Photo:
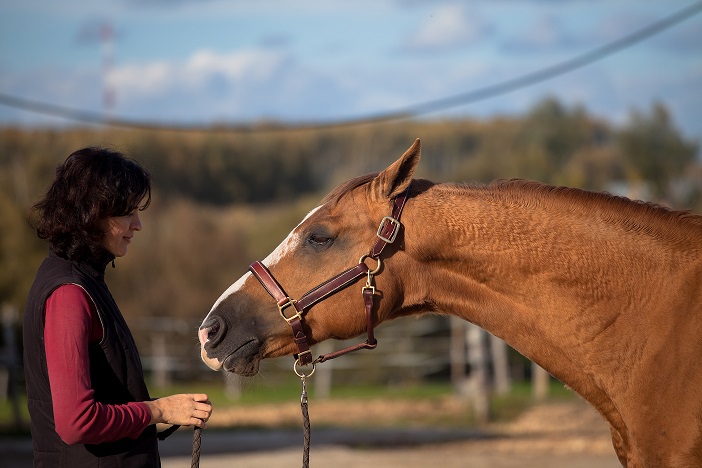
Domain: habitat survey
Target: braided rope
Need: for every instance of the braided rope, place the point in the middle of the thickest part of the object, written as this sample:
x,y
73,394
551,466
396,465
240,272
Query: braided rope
x,y
306,447
305,423
197,434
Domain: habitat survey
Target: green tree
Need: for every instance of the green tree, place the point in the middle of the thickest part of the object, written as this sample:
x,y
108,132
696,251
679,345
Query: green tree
x,y
20,253
654,150
550,135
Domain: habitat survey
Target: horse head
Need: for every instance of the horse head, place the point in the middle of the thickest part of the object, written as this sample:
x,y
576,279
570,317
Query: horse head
x,y
245,323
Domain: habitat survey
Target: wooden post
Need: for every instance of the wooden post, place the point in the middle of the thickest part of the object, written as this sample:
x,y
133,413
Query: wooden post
x,y
477,384
457,352
539,382
323,373
232,385
500,365
160,360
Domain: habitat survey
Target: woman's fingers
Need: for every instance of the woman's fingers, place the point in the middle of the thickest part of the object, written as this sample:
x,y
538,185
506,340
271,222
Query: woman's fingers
x,y
183,409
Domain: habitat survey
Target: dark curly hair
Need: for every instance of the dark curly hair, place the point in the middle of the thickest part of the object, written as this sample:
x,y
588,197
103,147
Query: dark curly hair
x,y
92,185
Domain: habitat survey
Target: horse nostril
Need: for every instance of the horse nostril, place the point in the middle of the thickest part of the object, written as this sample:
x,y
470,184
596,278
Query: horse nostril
x,y
211,332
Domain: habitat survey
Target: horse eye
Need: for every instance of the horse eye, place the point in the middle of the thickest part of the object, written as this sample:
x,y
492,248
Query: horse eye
x,y
319,240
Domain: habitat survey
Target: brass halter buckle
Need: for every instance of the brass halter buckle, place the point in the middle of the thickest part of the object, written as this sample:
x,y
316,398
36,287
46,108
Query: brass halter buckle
x,y
289,303
396,228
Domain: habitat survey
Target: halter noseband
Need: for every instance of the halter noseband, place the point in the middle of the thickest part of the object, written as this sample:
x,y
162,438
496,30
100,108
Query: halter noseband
x,y
387,232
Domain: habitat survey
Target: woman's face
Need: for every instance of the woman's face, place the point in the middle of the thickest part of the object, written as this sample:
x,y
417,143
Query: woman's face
x,y
119,231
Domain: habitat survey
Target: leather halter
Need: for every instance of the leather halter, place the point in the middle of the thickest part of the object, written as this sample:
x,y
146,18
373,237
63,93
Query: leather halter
x,y
387,232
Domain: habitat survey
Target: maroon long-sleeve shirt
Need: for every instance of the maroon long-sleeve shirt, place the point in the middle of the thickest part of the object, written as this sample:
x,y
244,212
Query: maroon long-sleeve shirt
x,y
71,323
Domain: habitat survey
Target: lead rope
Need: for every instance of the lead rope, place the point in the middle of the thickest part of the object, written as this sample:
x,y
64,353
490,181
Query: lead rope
x,y
305,424
197,434
305,414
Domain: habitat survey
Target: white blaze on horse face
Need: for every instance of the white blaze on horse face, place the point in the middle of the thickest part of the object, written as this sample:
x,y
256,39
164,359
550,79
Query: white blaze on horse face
x,y
230,290
288,244
273,258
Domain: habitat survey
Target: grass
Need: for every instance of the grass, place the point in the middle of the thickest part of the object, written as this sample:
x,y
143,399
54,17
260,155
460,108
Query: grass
x,y
8,426
503,408
508,407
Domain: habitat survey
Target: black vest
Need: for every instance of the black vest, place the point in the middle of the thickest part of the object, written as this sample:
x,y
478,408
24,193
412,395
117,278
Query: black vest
x,y
115,372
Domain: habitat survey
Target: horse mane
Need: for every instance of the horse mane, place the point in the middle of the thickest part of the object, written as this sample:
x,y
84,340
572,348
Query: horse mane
x,y
335,195
529,192
417,186
623,206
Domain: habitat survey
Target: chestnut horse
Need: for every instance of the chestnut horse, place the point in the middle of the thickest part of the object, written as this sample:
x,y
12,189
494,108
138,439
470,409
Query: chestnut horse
x,y
602,292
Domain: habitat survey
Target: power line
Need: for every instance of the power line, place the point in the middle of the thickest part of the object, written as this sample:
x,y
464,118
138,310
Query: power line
x,y
554,70
399,114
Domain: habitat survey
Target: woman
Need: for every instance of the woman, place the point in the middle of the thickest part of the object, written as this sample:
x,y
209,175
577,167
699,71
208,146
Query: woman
x,y
88,403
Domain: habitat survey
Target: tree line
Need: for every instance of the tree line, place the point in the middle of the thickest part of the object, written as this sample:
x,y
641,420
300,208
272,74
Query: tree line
x,y
222,199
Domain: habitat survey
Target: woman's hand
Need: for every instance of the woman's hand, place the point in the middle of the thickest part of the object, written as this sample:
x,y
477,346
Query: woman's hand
x,y
183,409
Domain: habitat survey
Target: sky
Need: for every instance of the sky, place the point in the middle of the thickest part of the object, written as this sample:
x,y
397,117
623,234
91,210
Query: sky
x,y
213,61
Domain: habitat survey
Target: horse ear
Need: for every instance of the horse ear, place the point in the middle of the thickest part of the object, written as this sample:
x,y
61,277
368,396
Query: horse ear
x,y
396,178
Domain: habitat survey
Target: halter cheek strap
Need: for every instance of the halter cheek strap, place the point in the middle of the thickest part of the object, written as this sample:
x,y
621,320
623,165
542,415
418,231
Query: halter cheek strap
x,y
293,310
297,308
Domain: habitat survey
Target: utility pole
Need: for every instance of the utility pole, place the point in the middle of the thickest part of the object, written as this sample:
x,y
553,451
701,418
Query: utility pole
x,y
107,40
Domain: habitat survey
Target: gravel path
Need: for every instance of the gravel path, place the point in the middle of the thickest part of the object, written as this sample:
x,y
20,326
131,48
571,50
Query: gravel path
x,y
553,435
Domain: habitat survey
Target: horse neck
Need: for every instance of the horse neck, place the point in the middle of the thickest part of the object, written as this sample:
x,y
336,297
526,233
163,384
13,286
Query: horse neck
x,y
546,276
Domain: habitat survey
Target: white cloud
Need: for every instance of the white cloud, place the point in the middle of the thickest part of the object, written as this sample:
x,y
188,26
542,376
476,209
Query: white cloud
x,y
142,79
156,78
248,64
447,27
542,33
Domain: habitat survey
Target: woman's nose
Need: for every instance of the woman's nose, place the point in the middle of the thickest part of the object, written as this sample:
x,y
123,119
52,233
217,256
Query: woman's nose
x,y
136,222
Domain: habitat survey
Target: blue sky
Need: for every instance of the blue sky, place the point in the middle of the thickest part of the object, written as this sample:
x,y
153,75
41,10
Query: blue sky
x,y
201,61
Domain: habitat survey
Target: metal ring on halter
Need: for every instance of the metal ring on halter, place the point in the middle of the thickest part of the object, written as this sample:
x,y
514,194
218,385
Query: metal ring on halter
x,y
371,272
300,373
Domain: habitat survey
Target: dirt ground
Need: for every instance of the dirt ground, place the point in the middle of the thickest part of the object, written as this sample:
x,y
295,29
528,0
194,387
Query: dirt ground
x,y
565,434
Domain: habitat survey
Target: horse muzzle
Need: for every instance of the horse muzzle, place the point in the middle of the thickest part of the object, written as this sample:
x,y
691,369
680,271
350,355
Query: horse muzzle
x,y
241,356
